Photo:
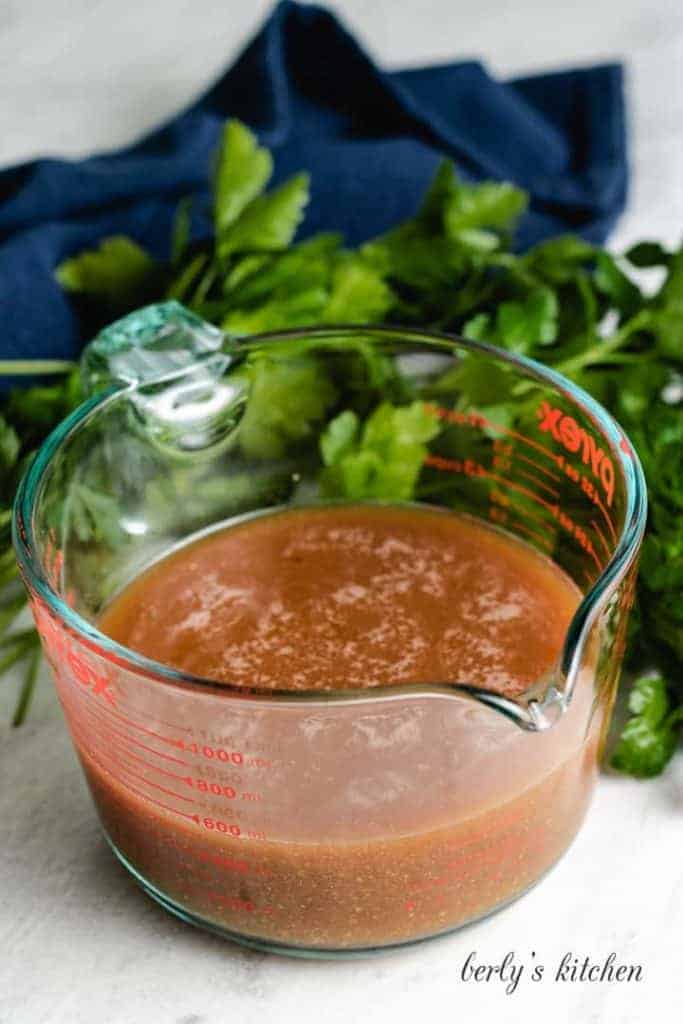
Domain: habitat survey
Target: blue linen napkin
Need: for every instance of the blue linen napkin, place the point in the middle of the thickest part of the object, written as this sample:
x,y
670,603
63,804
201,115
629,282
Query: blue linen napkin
x,y
370,138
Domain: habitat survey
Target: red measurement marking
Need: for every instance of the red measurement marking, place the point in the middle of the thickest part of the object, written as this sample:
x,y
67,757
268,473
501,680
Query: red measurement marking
x,y
233,757
121,748
152,767
599,461
471,468
123,718
591,552
602,538
532,533
576,531
125,736
174,725
221,860
224,827
166,807
223,901
539,483
125,766
532,514
145,796
607,517
214,788
259,762
587,576
147,764
148,782
527,440
573,438
475,469
536,465
149,732
518,487
479,421
139,711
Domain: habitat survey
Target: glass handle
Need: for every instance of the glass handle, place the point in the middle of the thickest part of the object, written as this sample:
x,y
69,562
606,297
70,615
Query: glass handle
x,y
174,366
154,344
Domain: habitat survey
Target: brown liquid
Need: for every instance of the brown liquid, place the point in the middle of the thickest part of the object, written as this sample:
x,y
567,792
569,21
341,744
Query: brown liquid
x,y
377,823
352,596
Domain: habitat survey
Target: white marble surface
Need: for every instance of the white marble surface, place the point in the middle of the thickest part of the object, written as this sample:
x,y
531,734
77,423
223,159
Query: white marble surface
x,y
80,944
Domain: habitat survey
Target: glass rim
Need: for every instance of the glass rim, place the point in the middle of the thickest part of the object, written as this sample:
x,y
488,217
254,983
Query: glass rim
x,y
625,550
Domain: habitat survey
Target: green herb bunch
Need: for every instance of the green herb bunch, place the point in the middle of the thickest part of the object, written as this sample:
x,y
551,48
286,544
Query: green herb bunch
x,y
571,305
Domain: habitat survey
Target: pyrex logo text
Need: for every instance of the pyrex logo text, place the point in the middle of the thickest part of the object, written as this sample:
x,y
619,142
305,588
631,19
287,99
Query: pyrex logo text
x,y
62,654
574,438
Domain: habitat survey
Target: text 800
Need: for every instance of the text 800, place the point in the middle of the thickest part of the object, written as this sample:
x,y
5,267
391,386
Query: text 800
x,y
212,787
221,826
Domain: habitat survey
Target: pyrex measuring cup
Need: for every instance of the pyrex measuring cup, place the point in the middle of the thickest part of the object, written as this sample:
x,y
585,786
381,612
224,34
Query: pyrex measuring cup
x,y
330,822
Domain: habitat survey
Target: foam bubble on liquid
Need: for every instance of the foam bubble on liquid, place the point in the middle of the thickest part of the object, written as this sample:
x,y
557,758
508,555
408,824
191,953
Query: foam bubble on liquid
x,y
351,593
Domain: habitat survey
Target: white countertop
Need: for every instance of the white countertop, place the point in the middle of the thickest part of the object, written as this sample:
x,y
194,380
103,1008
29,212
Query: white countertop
x,y
80,944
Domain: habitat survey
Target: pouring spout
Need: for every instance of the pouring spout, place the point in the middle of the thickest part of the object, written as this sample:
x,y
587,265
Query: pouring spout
x,y
532,714
547,713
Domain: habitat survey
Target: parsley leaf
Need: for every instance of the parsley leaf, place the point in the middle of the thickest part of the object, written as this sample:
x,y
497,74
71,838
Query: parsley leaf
x,y
358,294
120,273
181,229
268,222
647,254
288,399
651,734
558,260
471,209
380,460
519,326
610,279
668,312
300,309
242,170
9,446
339,437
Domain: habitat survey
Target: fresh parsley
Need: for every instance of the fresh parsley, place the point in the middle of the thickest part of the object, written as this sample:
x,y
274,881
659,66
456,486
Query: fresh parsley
x,y
380,458
650,736
566,303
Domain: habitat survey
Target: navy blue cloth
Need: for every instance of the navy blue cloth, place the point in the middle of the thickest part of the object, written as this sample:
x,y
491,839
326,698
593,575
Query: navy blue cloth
x,y
370,138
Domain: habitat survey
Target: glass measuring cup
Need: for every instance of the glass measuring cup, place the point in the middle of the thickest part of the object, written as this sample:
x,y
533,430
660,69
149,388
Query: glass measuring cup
x,y
336,822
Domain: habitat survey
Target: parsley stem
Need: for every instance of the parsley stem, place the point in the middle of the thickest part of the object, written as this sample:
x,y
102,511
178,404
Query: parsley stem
x,y
10,610
23,640
27,689
596,353
18,650
185,278
34,367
